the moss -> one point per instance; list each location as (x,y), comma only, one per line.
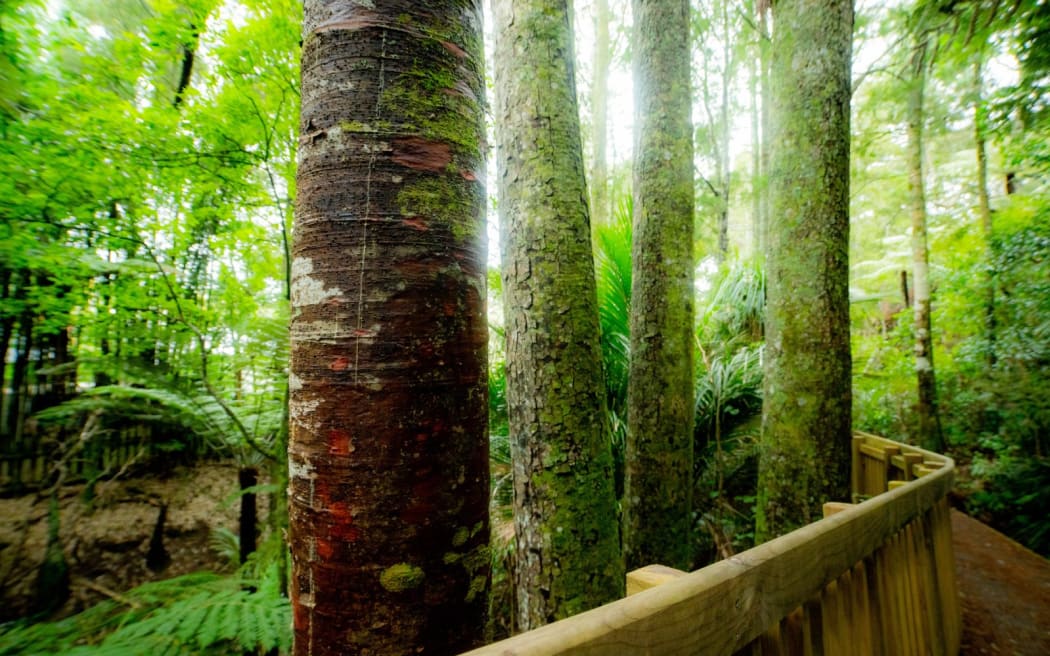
(461,536)
(401,577)
(440,201)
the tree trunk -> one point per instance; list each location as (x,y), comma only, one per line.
(659,460)
(806,432)
(928,429)
(248,524)
(984,207)
(599,182)
(757,182)
(388,445)
(568,542)
(765,63)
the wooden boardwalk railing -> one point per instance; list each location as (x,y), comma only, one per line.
(873,578)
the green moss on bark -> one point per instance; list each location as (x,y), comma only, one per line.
(659,459)
(806,428)
(568,543)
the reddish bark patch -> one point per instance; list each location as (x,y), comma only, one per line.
(454,49)
(421,154)
(416,223)
(339,442)
(468,175)
(341,518)
(325,549)
(342,363)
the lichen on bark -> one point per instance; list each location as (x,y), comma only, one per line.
(804,456)
(568,542)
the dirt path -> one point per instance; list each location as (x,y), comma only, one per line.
(1005,592)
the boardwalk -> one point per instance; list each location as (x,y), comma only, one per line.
(1005,592)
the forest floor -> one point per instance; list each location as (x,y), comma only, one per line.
(1004,590)
(106,541)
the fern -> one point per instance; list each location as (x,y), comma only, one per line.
(193,614)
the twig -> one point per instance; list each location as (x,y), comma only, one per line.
(103,590)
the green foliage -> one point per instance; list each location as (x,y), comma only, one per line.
(728,406)
(192,614)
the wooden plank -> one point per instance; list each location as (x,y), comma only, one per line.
(650,576)
(723,607)
(909,460)
(856,469)
(893,485)
(835,507)
(873,452)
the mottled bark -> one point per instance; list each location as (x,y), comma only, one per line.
(984,207)
(659,460)
(805,446)
(568,541)
(928,424)
(388,447)
(599,179)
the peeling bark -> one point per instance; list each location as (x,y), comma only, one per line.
(566,528)
(659,460)
(388,447)
(804,458)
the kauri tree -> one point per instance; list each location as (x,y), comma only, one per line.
(388,455)
(568,541)
(806,424)
(659,459)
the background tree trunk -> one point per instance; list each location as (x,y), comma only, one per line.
(599,181)
(806,431)
(388,446)
(984,206)
(928,429)
(568,542)
(659,461)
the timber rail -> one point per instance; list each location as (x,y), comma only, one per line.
(873,577)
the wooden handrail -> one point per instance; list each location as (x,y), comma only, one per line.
(876,578)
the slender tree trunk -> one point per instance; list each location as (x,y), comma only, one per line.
(929,432)
(568,543)
(248,524)
(599,182)
(388,448)
(765,63)
(984,207)
(725,166)
(756,156)
(806,432)
(659,460)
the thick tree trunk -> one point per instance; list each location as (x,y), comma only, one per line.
(599,182)
(805,446)
(388,448)
(568,542)
(984,207)
(928,429)
(659,460)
